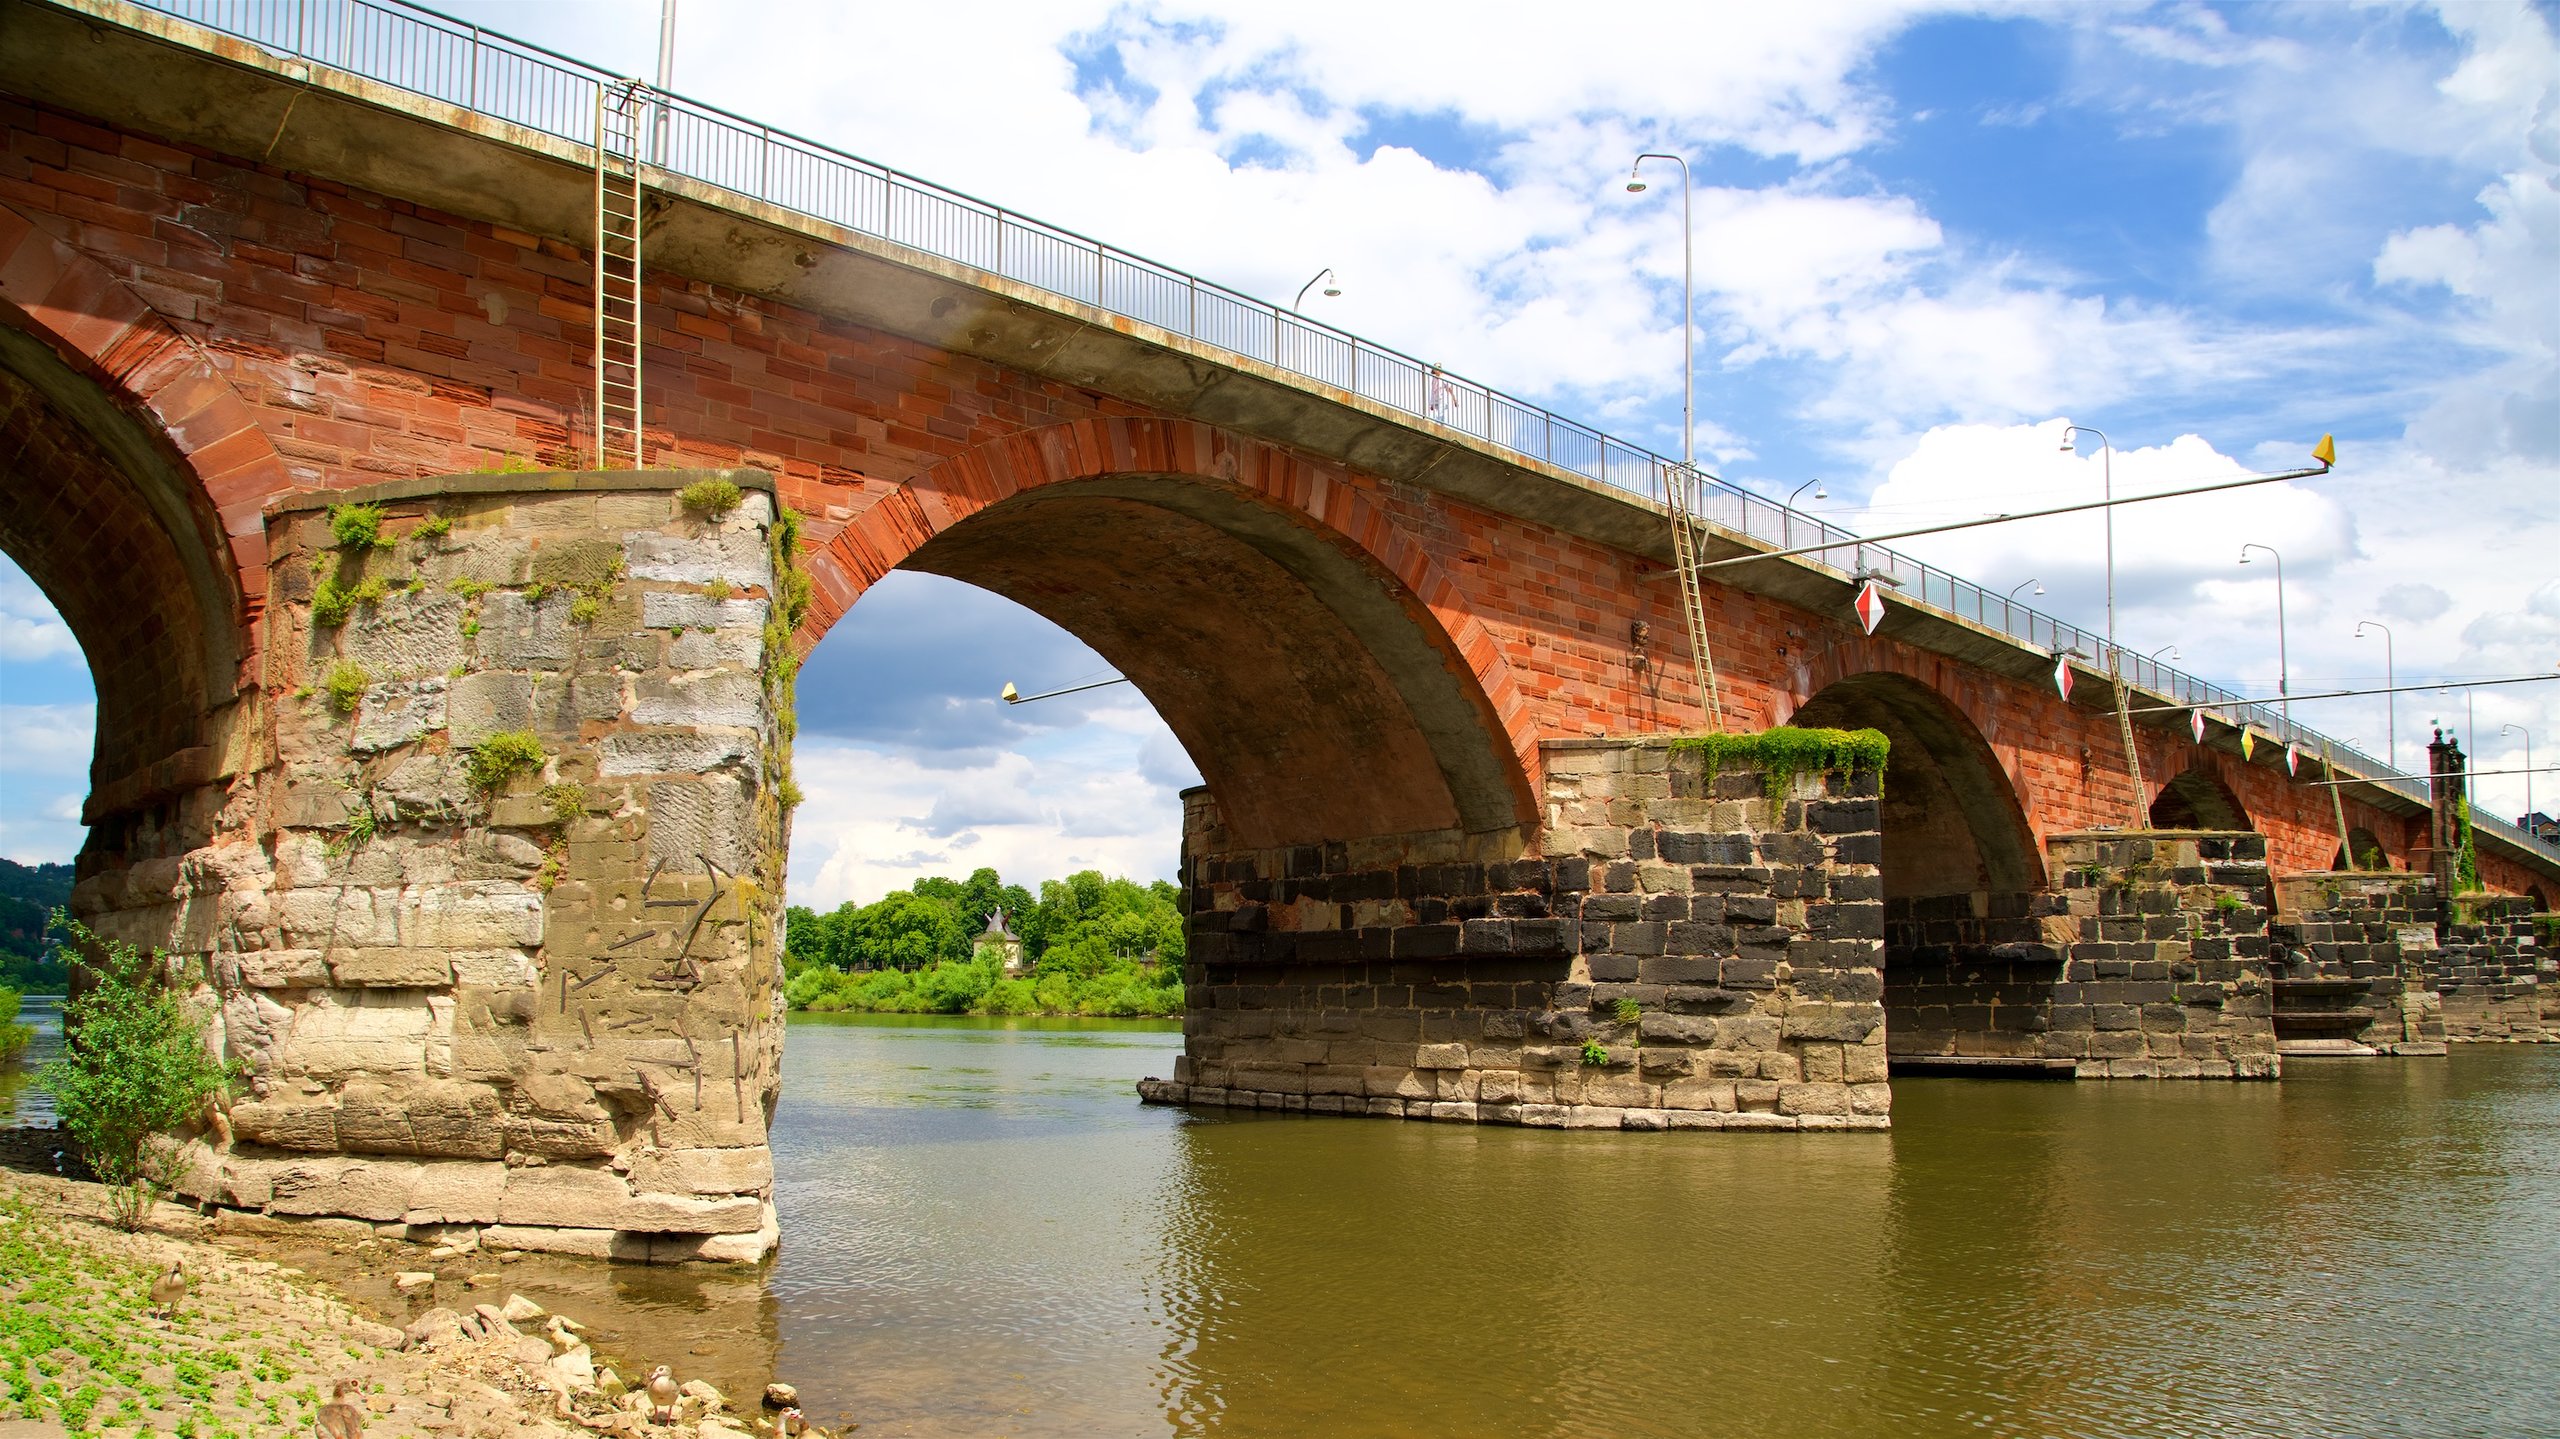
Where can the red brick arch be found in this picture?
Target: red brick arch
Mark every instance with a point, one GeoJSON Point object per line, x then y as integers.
{"type": "Point", "coordinates": [105, 330]}
{"type": "Point", "coordinates": [1966, 691]}
{"type": "Point", "coordinates": [1314, 497]}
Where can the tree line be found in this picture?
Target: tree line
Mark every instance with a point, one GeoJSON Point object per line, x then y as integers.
{"type": "Point", "coordinates": [1093, 945]}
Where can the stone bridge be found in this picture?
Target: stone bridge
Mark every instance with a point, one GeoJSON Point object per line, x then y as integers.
{"type": "Point", "coordinates": [456, 771]}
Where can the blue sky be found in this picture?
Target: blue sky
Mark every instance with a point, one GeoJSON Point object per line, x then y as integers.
{"type": "Point", "coordinates": [1927, 237]}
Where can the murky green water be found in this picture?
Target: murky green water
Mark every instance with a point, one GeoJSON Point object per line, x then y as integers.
{"type": "Point", "coordinates": [985, 1234]}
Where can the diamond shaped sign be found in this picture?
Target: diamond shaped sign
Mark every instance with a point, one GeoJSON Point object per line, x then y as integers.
{"type": "Point", "coordinates": [2062, 675]}
{"type": "Point", "coordinates": [1870, 605]}
{"type": "Point", "coordinates": [2248, 742]}
{"type": "Point", "coordinates": [2292, 760]}
{"type": "Point", "coordinates": [2196, 723]}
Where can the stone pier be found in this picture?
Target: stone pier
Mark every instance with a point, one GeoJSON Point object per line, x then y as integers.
{"type": "Point", "coordinates": [489, 911]}
{"type": "Point", "coordinates": [1686, 952]}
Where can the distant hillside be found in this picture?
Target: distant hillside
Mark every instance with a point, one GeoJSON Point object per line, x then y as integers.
{"type": "Point", "coordinates": [28, 895]}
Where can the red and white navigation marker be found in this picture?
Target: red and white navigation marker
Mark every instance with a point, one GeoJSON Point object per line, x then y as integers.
{"type": "Point", "coordinates": [2062, 675]}
{"type": "Point", "coordinates": [2292, 760]}
{"type": "Point", "coordinates": [1870, 605]}
{"type": "Point", "coordinates": [2196, 723]}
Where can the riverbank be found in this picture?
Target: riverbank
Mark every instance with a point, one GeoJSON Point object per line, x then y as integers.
{"type": "Point", "coordinates": [257, 1345]}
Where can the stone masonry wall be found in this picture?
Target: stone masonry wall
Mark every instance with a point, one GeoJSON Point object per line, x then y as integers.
{"type": "Point", "coordinates": [1682, 955]}
{"type": "Point", "coordinates": [2164, 945]}
{"type": "Point", "coordinates": [543, 1014]}
{"type": "Point", "coordinates": [2489, 969]}
{"type": "Point", "coordinates": [2339, 929]}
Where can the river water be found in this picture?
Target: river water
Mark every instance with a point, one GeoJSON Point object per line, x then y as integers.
{"type": "Point", "coordinates": [985, 1234]}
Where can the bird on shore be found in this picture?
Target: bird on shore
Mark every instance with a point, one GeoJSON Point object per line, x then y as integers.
{"type": "Point", "coordinates": [168, 1289]}
{"type": "Point", "coordinates": [343, 1416]}
{"type": "Point", "coordinates": [663, 1395]}
{"type": "Point", "coordinates": [790, 1424]}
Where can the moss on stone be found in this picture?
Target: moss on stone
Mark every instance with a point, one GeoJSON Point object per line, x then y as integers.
{"type": "Point", "coordinates": [710, 498]}
{"type": "Point", "coordinates": [345, 683]}
{"type": "Point", "coordinates": [1782, 754]}
{"type": "Point", "coordinates": [499, 759]}
{"type": "Point", "coordinates": [356, 527]}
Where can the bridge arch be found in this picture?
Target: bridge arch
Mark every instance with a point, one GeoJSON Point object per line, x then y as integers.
{"type": "Point", "coordinates": [1961, 868]}
{"type": "Point", "coordinates": [1325, 676]}
{"type": "Point", "coordinates": [117, 436]}
{"type": "Point", "coordinates": [2199, 798]}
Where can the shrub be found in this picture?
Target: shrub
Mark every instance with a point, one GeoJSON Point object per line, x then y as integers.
{"type": "Point", "coordinates": [135, 1065]}
{"type": "Point", "coordinates": [14, 1037]}
{"type": "Point", "coordinates": [584, 609]}
{"type": "Point", "coordinates": [1629, 1011]}
{"type": "Point", "coordinates": [1594, 1053]}
{"type": "Point", "coordinates": [495, 761]}
{"type": "Point", "coordinates": [356, 527]}
{"type": "Point", "coordinates": [331, 603]}
{"type": "Point", "coordinates": [719, 590]}
{"type": "Point", "coordinates": [567, 801]}
{"type": "Point", "coordinates": [468, 588]}
{"type": "Point", "coordinates": [435, 527]}
{"type": "Point", "coordinates": [710, 498]}
{"type": "Point", "coordinates": [345, 683]}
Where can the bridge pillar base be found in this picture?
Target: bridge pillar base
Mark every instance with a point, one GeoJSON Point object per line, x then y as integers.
{"type": "Point", "coordinates": [1679, 953]}
{"type": "Point", "coordinates": [491, 922]}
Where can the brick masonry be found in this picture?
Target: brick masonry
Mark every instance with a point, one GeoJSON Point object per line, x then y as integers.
{"type": "Point", "coordinates": [543, 1015]}
{"type": "Point", "coordinates": [1685, 954]}
{"type": "Point", "coordinates": [293, 335]}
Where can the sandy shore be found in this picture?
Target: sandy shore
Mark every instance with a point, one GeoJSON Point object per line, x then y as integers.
{"type": "Point", "coordinates": [258, 1346]}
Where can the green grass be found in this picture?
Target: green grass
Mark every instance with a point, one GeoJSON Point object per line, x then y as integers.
{"type": "Point", "coordinates": [710, 498]}
{"type": "Point", "coordinates": [1781, 754]}
{"type": "Point", "coordinates": [496, 761]}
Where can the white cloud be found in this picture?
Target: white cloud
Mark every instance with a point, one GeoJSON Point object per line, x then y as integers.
{"type": "Point", "coordinates": [30, 630]}
{"type": "Point", "coordinates": [47, 740]}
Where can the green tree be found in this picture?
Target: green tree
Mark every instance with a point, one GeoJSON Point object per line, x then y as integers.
{"type": "Point", "coordinates": [135, 1065]}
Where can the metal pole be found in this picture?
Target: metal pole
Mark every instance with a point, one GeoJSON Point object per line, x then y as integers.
{"type": "Point", "coordinates": [2528, 769]}
{"type": "Point", "coordinates": [2284, 668]}
{"type": "Point", "coordinates": [2391, 681]}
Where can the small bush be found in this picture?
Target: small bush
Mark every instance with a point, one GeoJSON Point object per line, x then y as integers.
{"type": "Point", "coordinates": [356, 527]}
{"type": "Point", "coordinates": [370, 591]}
{"type": "Point", "coordinates": [718, 590]}
{"type": "Point", "coordinates": [360, 831]}
{"type": "Point", "coordinates": [1629, 1011]}
{"type": "Point", "coordinates": [434, 527]}
{"type": "Point", "coordinates": [584, 609]}
{"type": "Point", "coordinates": [14, 1037]}
{"type": "Point", "coordinates": [710, 498]}
{"type": "Point", "coordinates": [469, 589]}
{"type": "Point", "coordinates": [495, 761]}
{"type": "Point", "coordinates": [345, 683]}
{"type": "Point", "coordinates": [331, 603]}
{"type": "Point", "coordinates": [135, 1065]}
{"type": "Point", "coordinates": [1594, 1053]}
{"type": "Point", "coordinates": [567, 801]}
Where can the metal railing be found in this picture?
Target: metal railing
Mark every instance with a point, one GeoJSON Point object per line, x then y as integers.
{"type": "Point", "coordinates": [418, 50]}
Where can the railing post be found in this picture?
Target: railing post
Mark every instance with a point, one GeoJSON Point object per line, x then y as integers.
{"type": "Point", "coordinates": [475, 68]}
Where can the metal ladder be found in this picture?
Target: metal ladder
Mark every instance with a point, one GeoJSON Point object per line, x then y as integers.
{"type": "Point", "coordinates": [619, 120]}
{"type": "Point", "coordinates": [1679, 487]}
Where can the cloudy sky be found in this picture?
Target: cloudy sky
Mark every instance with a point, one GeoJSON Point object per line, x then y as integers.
{"type": "Point", "coordinates": [1927, 238]}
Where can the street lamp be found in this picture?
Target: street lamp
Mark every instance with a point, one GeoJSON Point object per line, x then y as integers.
{"type": "Point", "coordinates": [2389, 682]}
{"type": "Point", "coordinates": [1330, 291]}
{"type": "Point", "coordinates": [2528, 770]}
{"type": "Point", "coordinates": [1821, 491]}
{"type": "Point", "coordinates": [2107, 470]}
{"type": "Point", "coordinates": [1688, 306]}
{"type": "Point", "coordinates": [1013, 696]}
{"type": "Point", "coordinates": [2284, 667]}
{"type": "Point", "coordinates": [2171, 650]}
{"type": "Point", "coordinates": [1787, 512]}
{"type": "Point", "coordinates": [2022, 584]}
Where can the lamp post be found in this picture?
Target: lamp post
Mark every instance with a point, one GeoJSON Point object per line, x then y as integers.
{"type": "Point", "coordinates": [666, 74]}
{"type": "Point", "coordinates": [2170, 649]}
{"type": "Point", "coordinates": [2391, 728]}
{"type": "Point", "coordinates": [1012, 696]}
{"type": "Point", "coordinates": [2022, 584]}
{"type": "Point", "coordinates": [1330, 291]}
{"type": "Point", "coordinates": [2284, 666]}
{"type": "Point", "coordinates": [1787, 512]}
{"type": "Point", "coordinates": [2107, 472]}
{"type": "Point", "coordinates": [2528, 770]}
{"type": "Point", "coordinates": [1688, 306]}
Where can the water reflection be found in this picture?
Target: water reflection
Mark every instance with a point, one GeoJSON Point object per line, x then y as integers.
{"type": "Point", "coordinates": [21, 1102]}
{"type": "Point", "coordinates": [986, 1236]}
